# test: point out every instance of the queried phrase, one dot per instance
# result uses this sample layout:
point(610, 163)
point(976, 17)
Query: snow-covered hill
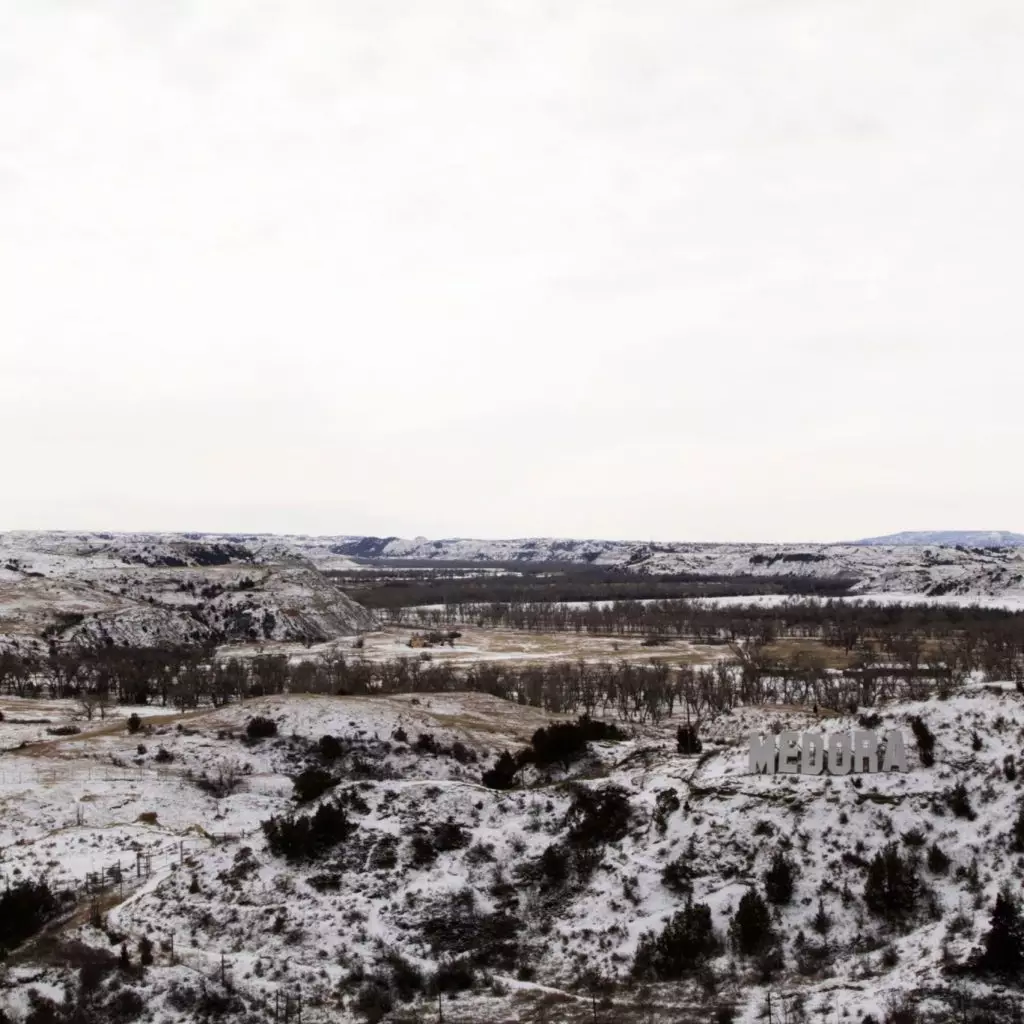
point(114, 574)
point(145, 589)
point(923, 569)
point(950, 538)
point(437, 870)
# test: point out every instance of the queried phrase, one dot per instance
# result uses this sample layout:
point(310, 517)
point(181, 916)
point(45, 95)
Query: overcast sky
point(674, 269)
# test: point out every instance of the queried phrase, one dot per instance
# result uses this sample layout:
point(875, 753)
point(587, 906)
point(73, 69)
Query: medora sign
point(805, 753)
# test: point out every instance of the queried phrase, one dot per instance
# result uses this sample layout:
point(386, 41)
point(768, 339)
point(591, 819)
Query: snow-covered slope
point(438, 866)
point(168, 589)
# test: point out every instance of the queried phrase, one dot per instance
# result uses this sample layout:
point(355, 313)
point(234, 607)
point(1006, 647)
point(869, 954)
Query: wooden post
point(440, 1009)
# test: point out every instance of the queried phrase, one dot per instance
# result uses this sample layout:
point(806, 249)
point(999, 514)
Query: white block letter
point(840, 754)
point(789, 753)
point(813, 762)
point(895, 752)
point(865, 751)
point(762, 754)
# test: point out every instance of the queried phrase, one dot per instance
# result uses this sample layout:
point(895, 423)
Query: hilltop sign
point(805, 753)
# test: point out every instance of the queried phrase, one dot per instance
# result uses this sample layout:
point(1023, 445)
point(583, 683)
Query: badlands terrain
point(231, 791)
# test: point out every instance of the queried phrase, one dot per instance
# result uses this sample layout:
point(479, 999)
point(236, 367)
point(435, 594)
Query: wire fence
point(49, 773)
point(129, 870)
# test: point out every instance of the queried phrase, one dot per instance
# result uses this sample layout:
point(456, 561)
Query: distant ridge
point(951, 538)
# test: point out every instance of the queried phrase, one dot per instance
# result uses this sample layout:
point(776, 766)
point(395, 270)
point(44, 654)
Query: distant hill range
point(166, 588)
point(951, 538)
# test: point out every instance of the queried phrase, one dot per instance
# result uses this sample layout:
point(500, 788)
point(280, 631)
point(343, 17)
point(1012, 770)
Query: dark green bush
point(960, 802)
point(686, 942)
point(780, 880)
point(598, 816)
point(1002, 952)
point(24, 909)
point(751, 931)
point(308, 837)
point(330, 748)
point(938, 862)
point(503, 774)
point(566, 742)
point(925, 741)
point(892, 890)
point(261, 728)
point(312, 783)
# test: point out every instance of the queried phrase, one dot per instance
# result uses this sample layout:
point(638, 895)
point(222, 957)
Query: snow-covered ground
point(197, 870)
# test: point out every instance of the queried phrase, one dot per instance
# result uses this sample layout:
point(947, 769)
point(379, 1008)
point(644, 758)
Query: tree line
point(539, 583)
point(629, 690)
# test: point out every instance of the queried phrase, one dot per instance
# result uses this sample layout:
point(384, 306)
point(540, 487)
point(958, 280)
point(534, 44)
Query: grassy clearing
point(527, 648)
point(810, 651)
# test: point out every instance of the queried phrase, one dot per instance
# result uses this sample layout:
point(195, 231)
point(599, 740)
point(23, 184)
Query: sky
point(654, 269)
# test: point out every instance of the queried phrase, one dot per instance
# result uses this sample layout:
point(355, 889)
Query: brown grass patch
point(809, 651)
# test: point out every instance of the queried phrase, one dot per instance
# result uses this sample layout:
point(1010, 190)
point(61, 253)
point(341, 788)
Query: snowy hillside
point(517, 896)
point(928, 569)
point(114, 575)
point(167, 589)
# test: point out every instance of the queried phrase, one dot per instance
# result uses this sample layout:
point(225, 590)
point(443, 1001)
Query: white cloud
point(711, 270)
